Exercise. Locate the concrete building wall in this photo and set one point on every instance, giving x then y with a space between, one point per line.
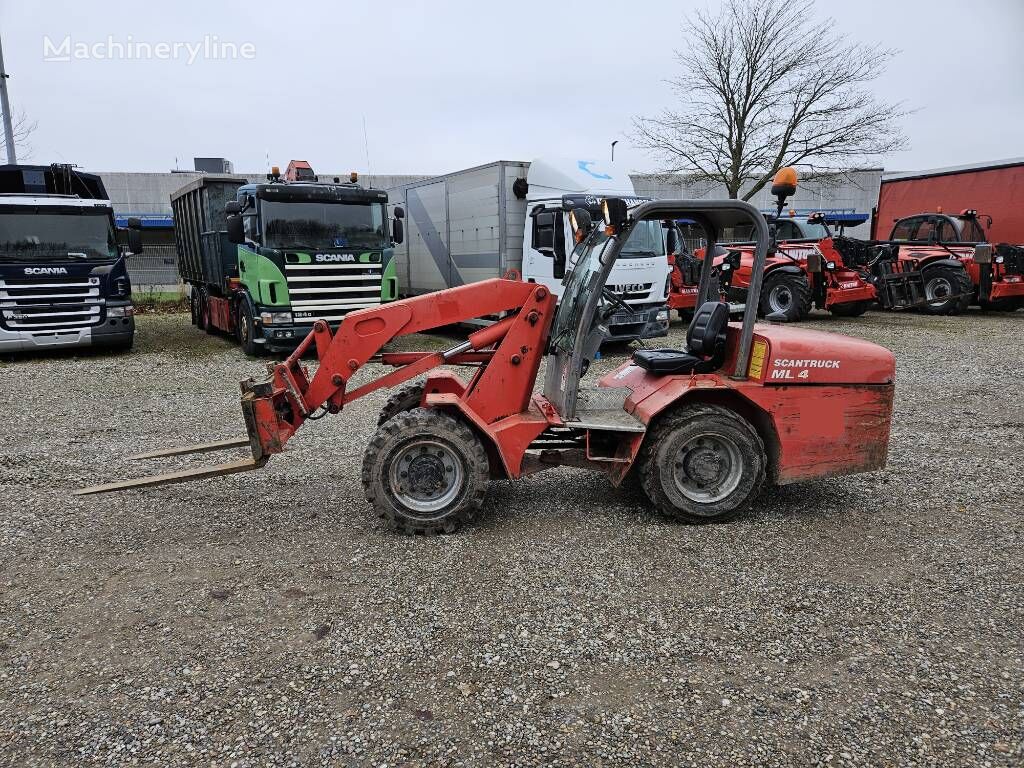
855 192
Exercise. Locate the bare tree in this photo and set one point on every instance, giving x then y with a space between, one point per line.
23 129
764 86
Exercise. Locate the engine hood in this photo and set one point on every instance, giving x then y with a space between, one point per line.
785 355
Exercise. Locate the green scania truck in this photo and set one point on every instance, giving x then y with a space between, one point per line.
264 261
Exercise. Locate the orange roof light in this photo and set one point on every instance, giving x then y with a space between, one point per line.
784 183
938 209
275 171
353 177
786 175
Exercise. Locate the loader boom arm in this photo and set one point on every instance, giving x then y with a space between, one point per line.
275 409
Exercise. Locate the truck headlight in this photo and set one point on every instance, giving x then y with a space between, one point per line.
999 259
276 318
662 315
127 311
830 265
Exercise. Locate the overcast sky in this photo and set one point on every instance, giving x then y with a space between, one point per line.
449 85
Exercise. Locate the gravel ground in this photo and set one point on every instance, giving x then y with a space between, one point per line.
266 619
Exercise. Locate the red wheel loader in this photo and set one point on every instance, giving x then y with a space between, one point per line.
798 275
701 428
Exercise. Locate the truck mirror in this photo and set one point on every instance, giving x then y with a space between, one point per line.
399 212
232 207
397 229
544 232
134 238
672 240
236 234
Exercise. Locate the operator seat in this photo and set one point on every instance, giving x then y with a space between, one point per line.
705 345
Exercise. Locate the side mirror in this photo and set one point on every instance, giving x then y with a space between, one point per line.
397 228
544 232
232 207
399 212
672 240
236 233
134 238
982 253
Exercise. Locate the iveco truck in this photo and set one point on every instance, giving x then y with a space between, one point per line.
63 281
513 217
264 261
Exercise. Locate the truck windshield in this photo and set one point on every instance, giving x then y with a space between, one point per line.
647 239
57 236
323 226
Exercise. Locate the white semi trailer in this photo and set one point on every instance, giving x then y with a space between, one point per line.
483 222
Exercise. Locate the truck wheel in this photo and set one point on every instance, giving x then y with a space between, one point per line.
195 305
405 398
942 286
425 472
850 308
702 464
788 294
246 330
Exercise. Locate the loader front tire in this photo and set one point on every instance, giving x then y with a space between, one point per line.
702 464
425 472
403 399
948 290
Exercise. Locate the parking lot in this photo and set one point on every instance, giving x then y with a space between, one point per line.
267 619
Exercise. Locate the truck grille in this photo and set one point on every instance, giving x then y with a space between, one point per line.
48 303
331 291
632 291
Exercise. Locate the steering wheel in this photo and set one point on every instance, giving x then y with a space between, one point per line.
615 300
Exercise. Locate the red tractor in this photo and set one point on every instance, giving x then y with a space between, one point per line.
798 275
991 276
699 428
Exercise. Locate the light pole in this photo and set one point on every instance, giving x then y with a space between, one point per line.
5 105
613 143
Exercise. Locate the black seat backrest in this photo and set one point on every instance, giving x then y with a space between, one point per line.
706 333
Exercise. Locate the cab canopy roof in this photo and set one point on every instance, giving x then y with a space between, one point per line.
552 177
50 180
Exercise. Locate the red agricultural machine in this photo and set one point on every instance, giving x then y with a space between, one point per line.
700 428
992 275
798 276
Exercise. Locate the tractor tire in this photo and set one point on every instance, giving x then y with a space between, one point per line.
425 472
245 326
850 308
786 293
405 398
702 464
947 281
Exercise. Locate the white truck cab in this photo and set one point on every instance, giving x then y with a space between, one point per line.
641 274
513 216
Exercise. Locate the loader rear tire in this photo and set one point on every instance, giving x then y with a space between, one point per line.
403 399
850 309
947 281
787 293
425 472
702 464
